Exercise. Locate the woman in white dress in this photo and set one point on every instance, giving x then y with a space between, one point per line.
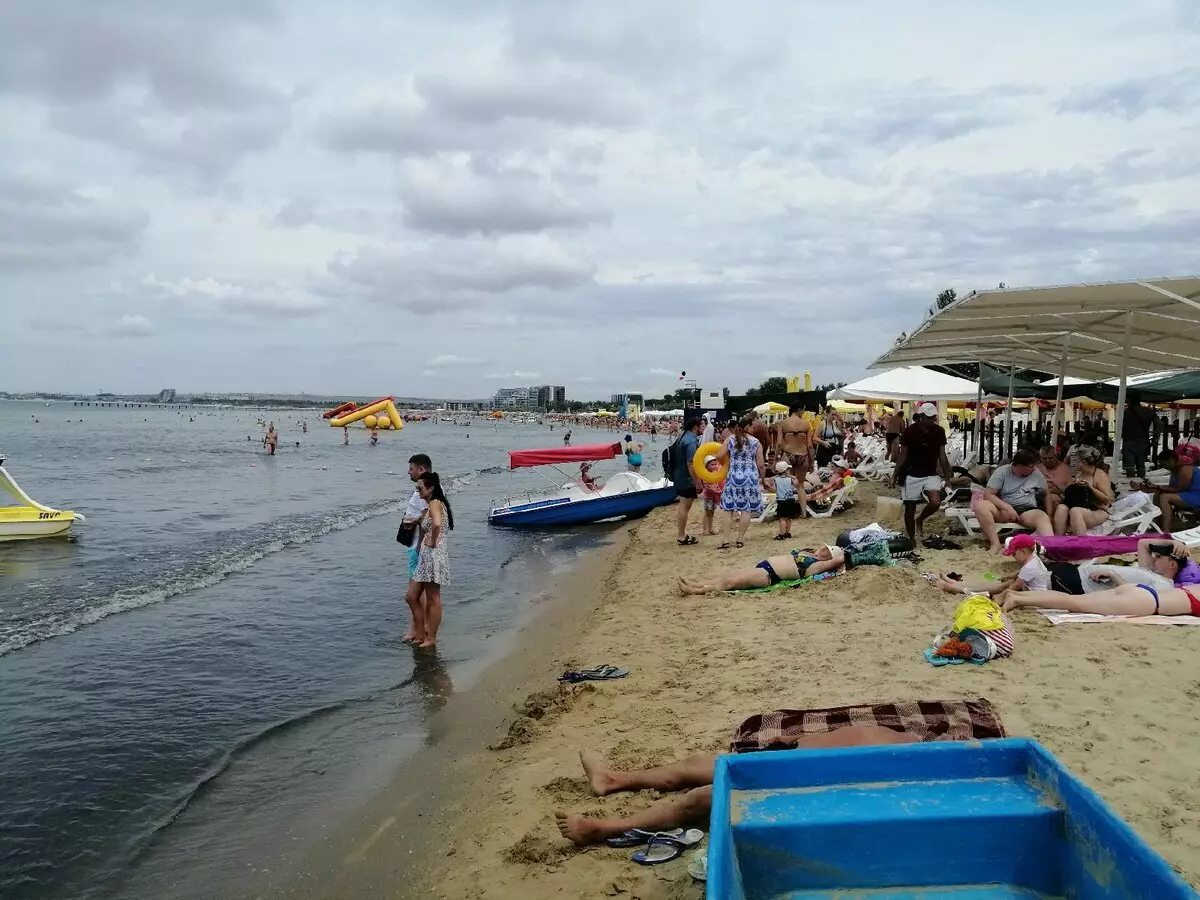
433 561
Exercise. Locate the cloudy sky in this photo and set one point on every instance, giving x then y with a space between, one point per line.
440 199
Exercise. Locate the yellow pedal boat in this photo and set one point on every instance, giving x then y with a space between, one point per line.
30 519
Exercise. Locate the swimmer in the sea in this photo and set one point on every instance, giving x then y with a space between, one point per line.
345 435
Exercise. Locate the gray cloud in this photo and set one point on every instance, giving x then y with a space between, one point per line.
1177 92
467 200
439 275
47 225
132 326
158 80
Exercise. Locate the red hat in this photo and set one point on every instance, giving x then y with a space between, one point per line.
1019 542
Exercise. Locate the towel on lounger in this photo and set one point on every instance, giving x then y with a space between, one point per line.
954 720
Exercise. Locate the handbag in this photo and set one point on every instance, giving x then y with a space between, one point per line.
406 532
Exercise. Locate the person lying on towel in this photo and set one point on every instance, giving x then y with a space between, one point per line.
1126 599
791 567
694 773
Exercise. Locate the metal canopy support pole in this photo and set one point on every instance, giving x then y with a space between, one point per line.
1058 399
1012 371
1121 392
978 419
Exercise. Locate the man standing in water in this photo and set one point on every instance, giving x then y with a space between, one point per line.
418 465
271 441
794 438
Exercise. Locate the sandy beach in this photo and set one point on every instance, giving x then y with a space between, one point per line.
1115 703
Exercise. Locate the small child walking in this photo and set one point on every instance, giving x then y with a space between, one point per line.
787 507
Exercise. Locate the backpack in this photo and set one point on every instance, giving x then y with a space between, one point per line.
670 456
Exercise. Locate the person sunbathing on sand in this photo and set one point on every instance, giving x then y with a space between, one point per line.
770 571
1123 600
695 772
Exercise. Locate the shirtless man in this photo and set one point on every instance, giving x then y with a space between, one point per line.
794 439
893 427
1058 476
759 430
695 772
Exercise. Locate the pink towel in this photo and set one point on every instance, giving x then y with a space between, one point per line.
1076 547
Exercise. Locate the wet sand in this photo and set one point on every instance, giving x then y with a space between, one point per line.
1116 703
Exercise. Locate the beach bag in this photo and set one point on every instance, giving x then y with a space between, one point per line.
405 533
978 612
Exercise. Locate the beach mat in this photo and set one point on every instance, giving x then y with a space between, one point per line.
953 720
780 585
1061 617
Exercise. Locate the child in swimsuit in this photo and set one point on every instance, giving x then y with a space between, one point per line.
712 495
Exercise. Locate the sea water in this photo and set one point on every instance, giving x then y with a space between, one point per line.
213 663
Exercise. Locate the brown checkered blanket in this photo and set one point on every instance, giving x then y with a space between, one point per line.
951 720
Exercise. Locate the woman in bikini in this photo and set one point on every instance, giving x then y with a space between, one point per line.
789 567
795 442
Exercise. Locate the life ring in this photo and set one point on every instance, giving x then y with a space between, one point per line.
712 448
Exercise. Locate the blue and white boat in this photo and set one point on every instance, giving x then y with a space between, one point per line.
583 499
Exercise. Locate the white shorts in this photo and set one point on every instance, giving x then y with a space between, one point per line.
914 489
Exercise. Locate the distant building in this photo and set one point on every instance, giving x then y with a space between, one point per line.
550 395
166 395
516 398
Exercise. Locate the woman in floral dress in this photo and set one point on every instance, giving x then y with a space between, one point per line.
433 561
742 497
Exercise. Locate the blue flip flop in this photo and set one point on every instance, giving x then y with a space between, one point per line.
664 847
635 837
934 660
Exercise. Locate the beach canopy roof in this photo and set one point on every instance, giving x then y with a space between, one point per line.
907 383
1089 331
518 459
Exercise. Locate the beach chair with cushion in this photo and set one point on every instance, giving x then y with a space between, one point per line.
768 509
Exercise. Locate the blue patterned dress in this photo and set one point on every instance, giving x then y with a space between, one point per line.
742 492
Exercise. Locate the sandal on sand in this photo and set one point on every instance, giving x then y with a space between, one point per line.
663 847
686 541
739 545
722 546
635 837
596 673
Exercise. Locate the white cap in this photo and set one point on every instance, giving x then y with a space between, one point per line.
928 409
782 466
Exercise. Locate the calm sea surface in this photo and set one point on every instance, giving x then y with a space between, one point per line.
211 669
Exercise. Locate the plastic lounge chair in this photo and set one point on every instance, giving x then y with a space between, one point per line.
966 516
1191 537
768 509
836 502
1132 514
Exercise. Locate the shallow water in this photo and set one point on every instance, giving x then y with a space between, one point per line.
199 681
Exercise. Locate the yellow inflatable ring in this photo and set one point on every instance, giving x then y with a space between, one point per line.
712 448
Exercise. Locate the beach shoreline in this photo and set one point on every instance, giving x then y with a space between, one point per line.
701 665
461 820
391 845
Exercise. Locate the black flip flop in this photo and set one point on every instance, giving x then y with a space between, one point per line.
687 541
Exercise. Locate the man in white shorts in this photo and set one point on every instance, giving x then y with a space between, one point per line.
923 468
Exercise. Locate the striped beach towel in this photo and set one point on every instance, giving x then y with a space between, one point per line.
952 720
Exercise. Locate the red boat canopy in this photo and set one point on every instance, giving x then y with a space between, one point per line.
518 459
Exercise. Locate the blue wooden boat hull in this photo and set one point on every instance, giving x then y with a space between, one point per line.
557 512
955 820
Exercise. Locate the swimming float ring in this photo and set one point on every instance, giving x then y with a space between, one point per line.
712 448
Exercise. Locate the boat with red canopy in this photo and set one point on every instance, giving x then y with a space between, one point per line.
584 498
